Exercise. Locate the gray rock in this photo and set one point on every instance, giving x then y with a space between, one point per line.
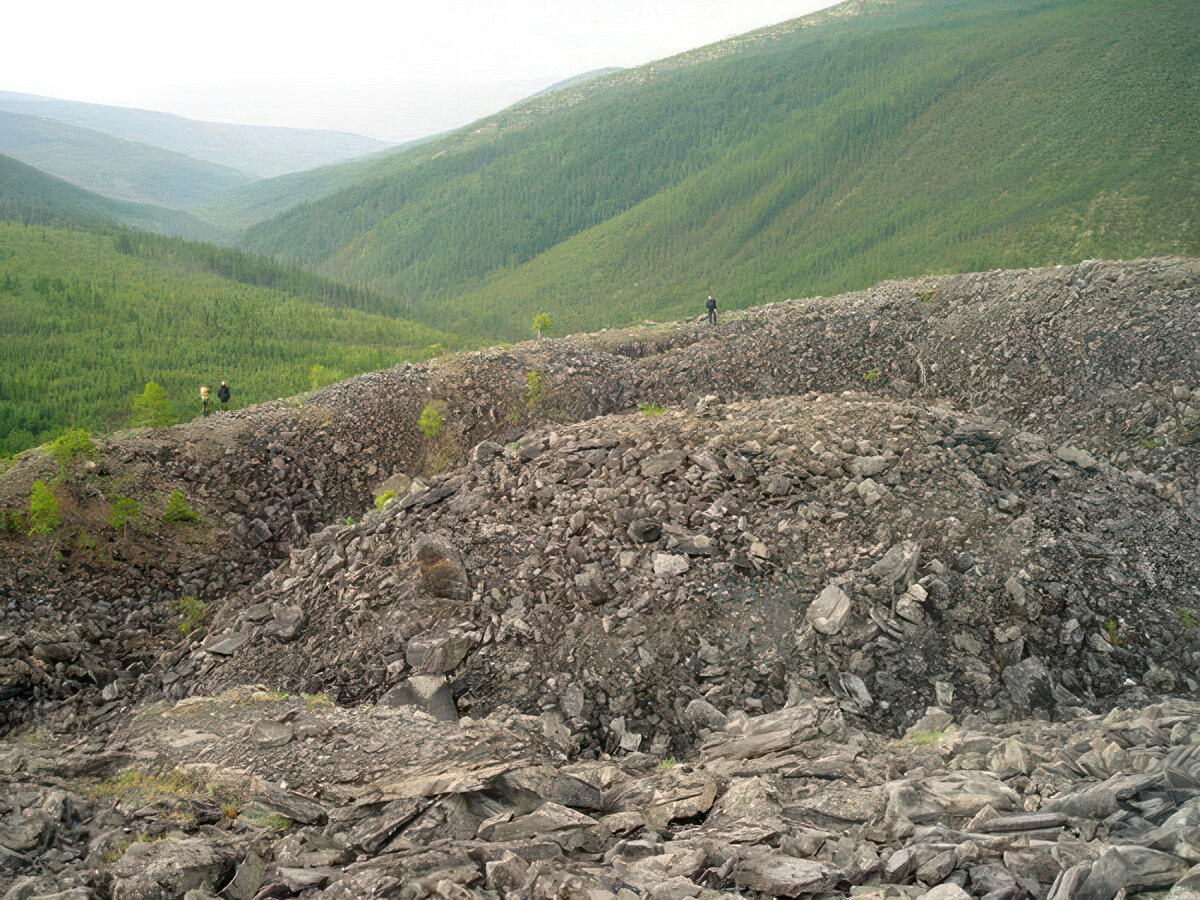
227 645
441 570
439 652
643 531
699 713
172 867
946 892
1187 887
663 463
1029 685
829 611
778 875
898 565
670 564
1132 869
269 733
428 692
1076 455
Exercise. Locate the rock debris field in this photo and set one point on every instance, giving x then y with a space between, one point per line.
889 595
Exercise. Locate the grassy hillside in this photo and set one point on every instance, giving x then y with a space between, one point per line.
114 167
87 319
30 196
261 151
870 141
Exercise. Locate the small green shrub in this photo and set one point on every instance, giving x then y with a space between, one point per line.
12 520
872 375
669 763
319 700
1152 443
542 323
178 509
384 499
69 446
44 516
153 407
195 613
535 390
124 512
431 424
433 351
1186 618
1112 630
350 521
650 410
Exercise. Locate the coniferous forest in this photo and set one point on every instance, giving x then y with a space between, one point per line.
914 137
88 319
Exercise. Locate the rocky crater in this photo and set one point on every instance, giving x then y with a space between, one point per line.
893 594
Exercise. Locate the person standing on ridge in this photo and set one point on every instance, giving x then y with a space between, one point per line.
223 395
711 306
204 399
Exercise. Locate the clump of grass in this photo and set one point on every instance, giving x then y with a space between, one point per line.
319 700
178 509
384 499
872 375
669 763
1186 617
923 738
650 410
274 821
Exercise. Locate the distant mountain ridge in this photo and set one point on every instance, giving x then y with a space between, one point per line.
114 167
30 196
258 150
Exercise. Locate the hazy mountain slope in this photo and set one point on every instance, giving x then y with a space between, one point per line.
245 206
258 150
87 319
915 137
31 196
114 167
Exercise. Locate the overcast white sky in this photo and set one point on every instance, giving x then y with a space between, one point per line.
394 70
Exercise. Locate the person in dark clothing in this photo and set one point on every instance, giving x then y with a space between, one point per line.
223 395
711 306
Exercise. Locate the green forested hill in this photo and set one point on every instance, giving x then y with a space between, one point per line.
87 319
874 140
113 167
30 196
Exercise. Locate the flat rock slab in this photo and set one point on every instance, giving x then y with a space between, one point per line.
228 644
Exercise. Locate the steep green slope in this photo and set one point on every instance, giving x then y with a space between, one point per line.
242 207
86 319
30 196
262 151
871 141
113 167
